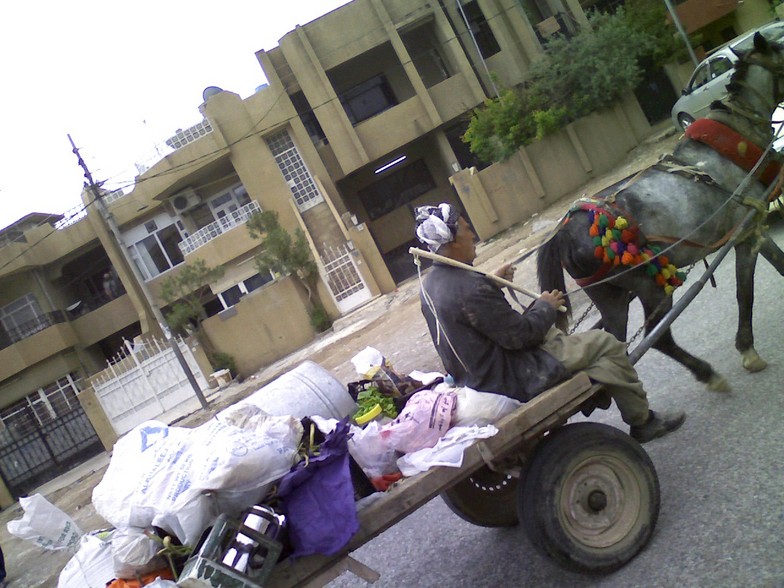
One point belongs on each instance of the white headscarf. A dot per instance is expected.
(436, 225)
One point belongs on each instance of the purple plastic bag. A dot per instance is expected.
(318, 498)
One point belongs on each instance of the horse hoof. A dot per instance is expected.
(717, 383)
(752, 361)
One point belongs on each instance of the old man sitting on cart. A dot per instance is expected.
(487, 345)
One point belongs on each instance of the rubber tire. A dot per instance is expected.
(585, 460)
(485, 498)
(684, 120)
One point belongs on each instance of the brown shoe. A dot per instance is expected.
(658, 425)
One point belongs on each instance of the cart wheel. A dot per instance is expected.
(590, 499)
(485, 498)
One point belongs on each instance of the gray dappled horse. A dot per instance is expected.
(683, 203)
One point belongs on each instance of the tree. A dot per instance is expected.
(283, 255)
(575, 77)
(183, 293)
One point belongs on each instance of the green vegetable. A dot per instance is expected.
(367, 399)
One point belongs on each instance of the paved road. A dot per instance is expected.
(722, 519)
(722, 477)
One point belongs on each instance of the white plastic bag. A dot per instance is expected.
(158, 475)
(91, 567)
(133, 553)
(367, 359)
(447, 452)
(426, 417)
(45, 525)
(480, 408)
(373, 454)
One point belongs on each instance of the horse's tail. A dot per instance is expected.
(551, 275)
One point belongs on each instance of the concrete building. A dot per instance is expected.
(360, 123)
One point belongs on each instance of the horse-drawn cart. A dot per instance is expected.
(586, 493)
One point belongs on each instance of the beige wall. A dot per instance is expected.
(44, 245)
(48, 344)
(264, 326)
(20, 379)
(104, 321)
(98, 419)
(374, 263)
(753, 13)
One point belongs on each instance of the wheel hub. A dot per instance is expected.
(600, 501)
(597, 501)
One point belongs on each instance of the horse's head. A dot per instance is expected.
(755, 89)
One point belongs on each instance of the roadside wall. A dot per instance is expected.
(539, 174)
(281, 324)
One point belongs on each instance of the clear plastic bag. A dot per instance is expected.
(373, 454)
(45, 525)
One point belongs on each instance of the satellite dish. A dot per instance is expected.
(210, 91)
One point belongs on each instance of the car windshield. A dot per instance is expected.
(772, 32)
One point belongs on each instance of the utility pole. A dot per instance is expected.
(682, 32)
(114, 231)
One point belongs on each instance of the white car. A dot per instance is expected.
(709, 81)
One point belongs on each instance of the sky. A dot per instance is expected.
(118, 77)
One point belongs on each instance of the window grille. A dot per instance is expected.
(297, 176)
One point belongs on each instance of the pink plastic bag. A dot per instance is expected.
(426, 417)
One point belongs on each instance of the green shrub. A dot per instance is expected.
(224, 361)
(574, 78)
(320, 319)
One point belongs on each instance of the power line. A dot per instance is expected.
(114, 233)
(254, 130)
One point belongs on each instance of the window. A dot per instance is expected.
(228, 202)
(232, 296)
(396, 189)
(292, 166)
(480, 29)
(257, 281)
(700, 77)
(719, 66)
(41, 407)
(22, 317)
(368, 99)
(157, 251)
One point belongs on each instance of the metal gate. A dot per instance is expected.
(345, 282)
(43, 436)
(143, 382)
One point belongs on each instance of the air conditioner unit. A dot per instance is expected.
(185, 200)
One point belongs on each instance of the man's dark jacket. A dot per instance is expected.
(498, 346)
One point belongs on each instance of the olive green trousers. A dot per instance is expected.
(600, 355)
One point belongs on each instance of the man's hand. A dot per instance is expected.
(554, 298)
(506, 272)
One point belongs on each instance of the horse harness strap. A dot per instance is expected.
(732, 145)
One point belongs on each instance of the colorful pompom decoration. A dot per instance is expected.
(616, 243)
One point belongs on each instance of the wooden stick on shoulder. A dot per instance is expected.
(416, 252)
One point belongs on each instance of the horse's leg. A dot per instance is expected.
(656, 304)
(612, 303)
(771, 252)
(745, 262)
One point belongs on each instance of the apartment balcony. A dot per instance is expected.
(41, 339)
(31, 327)
(104, 319)
(215, 229)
